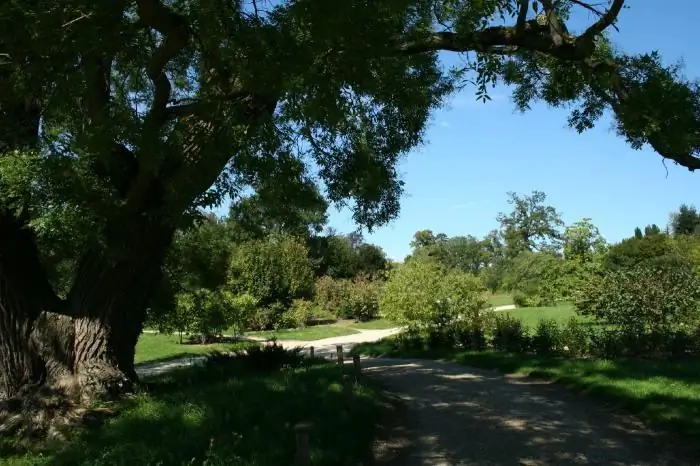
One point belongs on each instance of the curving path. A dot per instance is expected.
(463, 416)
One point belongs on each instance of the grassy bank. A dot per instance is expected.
(228, 415)
(665, 394)
(153, 347)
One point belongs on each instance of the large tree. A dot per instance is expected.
(531, 225)
(138, 112)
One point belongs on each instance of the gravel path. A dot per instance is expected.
(462, 416)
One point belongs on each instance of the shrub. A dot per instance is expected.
(205, 311)
(276, 269)
(425, 295)
(547, 337)
(657, 297)
(364, 299)
(349, 299)
(575, 339)
(520, 300)
(270, 317)
(509, 334)
(299, 313)
(333, 296)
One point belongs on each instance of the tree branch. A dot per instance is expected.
(556, 27)
(176, 35)
(490, 39)
(522, 17)
(605, 20)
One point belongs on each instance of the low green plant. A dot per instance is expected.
(509, 334)
(547, 338)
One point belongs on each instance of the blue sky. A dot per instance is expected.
(475, 153)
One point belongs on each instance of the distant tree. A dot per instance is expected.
(651, 230)
(632, 251)
(638, 233)
(422, 239)
(531, 225)
(583, 241)
(686, 221)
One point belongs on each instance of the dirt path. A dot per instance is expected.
(462, 416)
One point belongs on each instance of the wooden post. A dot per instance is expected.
(339, 352)
(311, 351)
(302, 433)
(357, 366)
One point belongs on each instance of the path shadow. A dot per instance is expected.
(464, 416)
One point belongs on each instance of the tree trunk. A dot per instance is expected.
(108, 301)
(24, 290)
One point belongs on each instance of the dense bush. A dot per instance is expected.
(300, 313)
(274, 270)
(425, 295)
(547, 339)
(659, 297)
(509, 334)
(364, 298)
(349, 299)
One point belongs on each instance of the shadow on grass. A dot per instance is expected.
(231, 415)
(663, 393)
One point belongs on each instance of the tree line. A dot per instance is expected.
(639, 297)
(540, 260)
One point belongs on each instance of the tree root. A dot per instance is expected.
(47, 413)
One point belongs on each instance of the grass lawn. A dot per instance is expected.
(153, 347)
(530, 316)
(228, 416)
(500, 299)
(665, 394)
(316, 332)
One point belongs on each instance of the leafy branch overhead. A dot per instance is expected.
(178, 96)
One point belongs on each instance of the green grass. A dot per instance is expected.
(317, 332)
(230, 416)
(530, 316)
(664, 393)
(500, 299)
(153, 347)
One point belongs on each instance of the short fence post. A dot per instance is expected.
(302, 434)
(311, 351)
(339, 352)
(357, 366)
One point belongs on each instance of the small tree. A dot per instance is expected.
(275, 269)
(423, 295)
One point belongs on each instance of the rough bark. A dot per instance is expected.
(108, 302)
(24, 292)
